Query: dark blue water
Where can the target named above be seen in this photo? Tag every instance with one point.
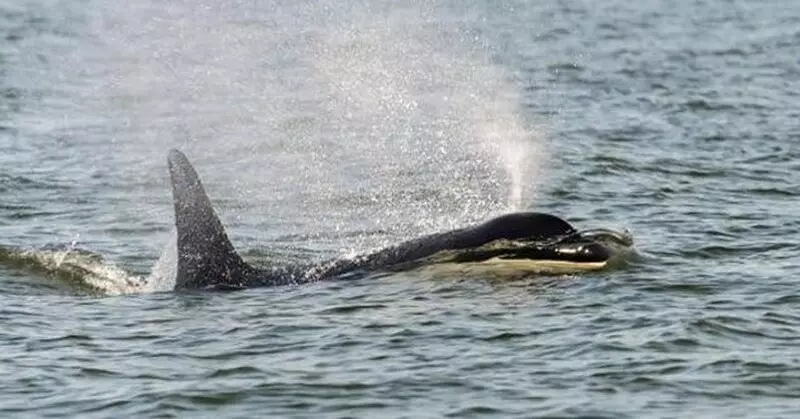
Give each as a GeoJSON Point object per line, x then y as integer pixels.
{"type": "Point", "coordinates": [327, 129]}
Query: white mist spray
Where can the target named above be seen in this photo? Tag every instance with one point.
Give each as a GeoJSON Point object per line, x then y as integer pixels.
{"type": "Point", "coordinates": [340, 119]}
{"type": "Point", "coordinates": [422, 93]}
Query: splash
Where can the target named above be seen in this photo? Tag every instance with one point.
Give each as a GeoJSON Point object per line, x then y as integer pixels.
{"type": "Point", "coordinates": [162, 275]}
{"type": "Point", "coordinates": [76, 269]}
{"type": "Point", "coordinates": [71, 248]}
{"type": "Point", "coordinates": [87, 272]}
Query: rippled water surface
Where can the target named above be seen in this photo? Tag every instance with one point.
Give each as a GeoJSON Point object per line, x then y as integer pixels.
{"type": "Point", "coordinates": [324, 129]}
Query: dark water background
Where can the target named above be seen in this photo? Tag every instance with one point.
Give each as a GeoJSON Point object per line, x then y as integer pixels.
{"type": "Point", "coordinates": [329, 128]}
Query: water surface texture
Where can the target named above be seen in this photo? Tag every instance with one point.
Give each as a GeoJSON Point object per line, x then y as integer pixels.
{"type": "Point", "coordinates": [326, 129]}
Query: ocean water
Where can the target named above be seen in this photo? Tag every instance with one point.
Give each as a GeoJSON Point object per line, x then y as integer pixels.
{"type": "Point", "coordinates": [327, 129]}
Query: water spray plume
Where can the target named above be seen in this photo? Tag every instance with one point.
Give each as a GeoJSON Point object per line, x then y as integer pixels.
{"type": "Point", "coordinates": [429, 98]}
{"type": "Point", "coordinates": [384, 116]}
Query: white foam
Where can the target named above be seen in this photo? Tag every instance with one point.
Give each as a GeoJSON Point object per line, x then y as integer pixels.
{"type": "Point", "coordinates": [86, 269]}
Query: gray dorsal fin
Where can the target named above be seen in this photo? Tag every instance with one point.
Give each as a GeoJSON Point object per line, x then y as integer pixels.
{"type": "Point", "coordinates": [206, 257]}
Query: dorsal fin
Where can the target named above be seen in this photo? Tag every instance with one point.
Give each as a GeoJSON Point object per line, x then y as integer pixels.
{"type": "Point", "coordinates": [206, 257]}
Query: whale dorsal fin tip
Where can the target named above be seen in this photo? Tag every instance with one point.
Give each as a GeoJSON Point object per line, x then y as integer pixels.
{"type": "Point", "coordinates": [206, 257]}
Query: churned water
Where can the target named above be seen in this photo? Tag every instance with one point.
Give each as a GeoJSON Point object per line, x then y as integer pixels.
{"type": "Point", "coordinates": [325, 129]}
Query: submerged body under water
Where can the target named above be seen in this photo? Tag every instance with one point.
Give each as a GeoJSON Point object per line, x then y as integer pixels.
{"type": "Point", "coordinates": [332, 129]}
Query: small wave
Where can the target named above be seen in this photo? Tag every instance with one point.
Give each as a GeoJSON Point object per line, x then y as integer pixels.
{"type": "Point", "coordinates": [504, 336]}
{"type": "Point", "coordinates": [743, 250]}
{"type": "Point", "coordinates": [706, 105]}
{"type": "Point", "coordinates": [348, 309]}
{"type": "Point", "coordinates": [11, 183]}
{"type": "Point", "coordinates": [234, 372]}
{"type": "Point", "coordinates": [732, 328]}
{"type": "Point", "coordinates": [770, 192]}
{"type": "Point", "coordinates": [475, 411]}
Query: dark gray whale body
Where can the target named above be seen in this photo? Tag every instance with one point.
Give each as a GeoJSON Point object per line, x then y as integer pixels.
{"type": "Point", "coordinates": [208, 260]}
